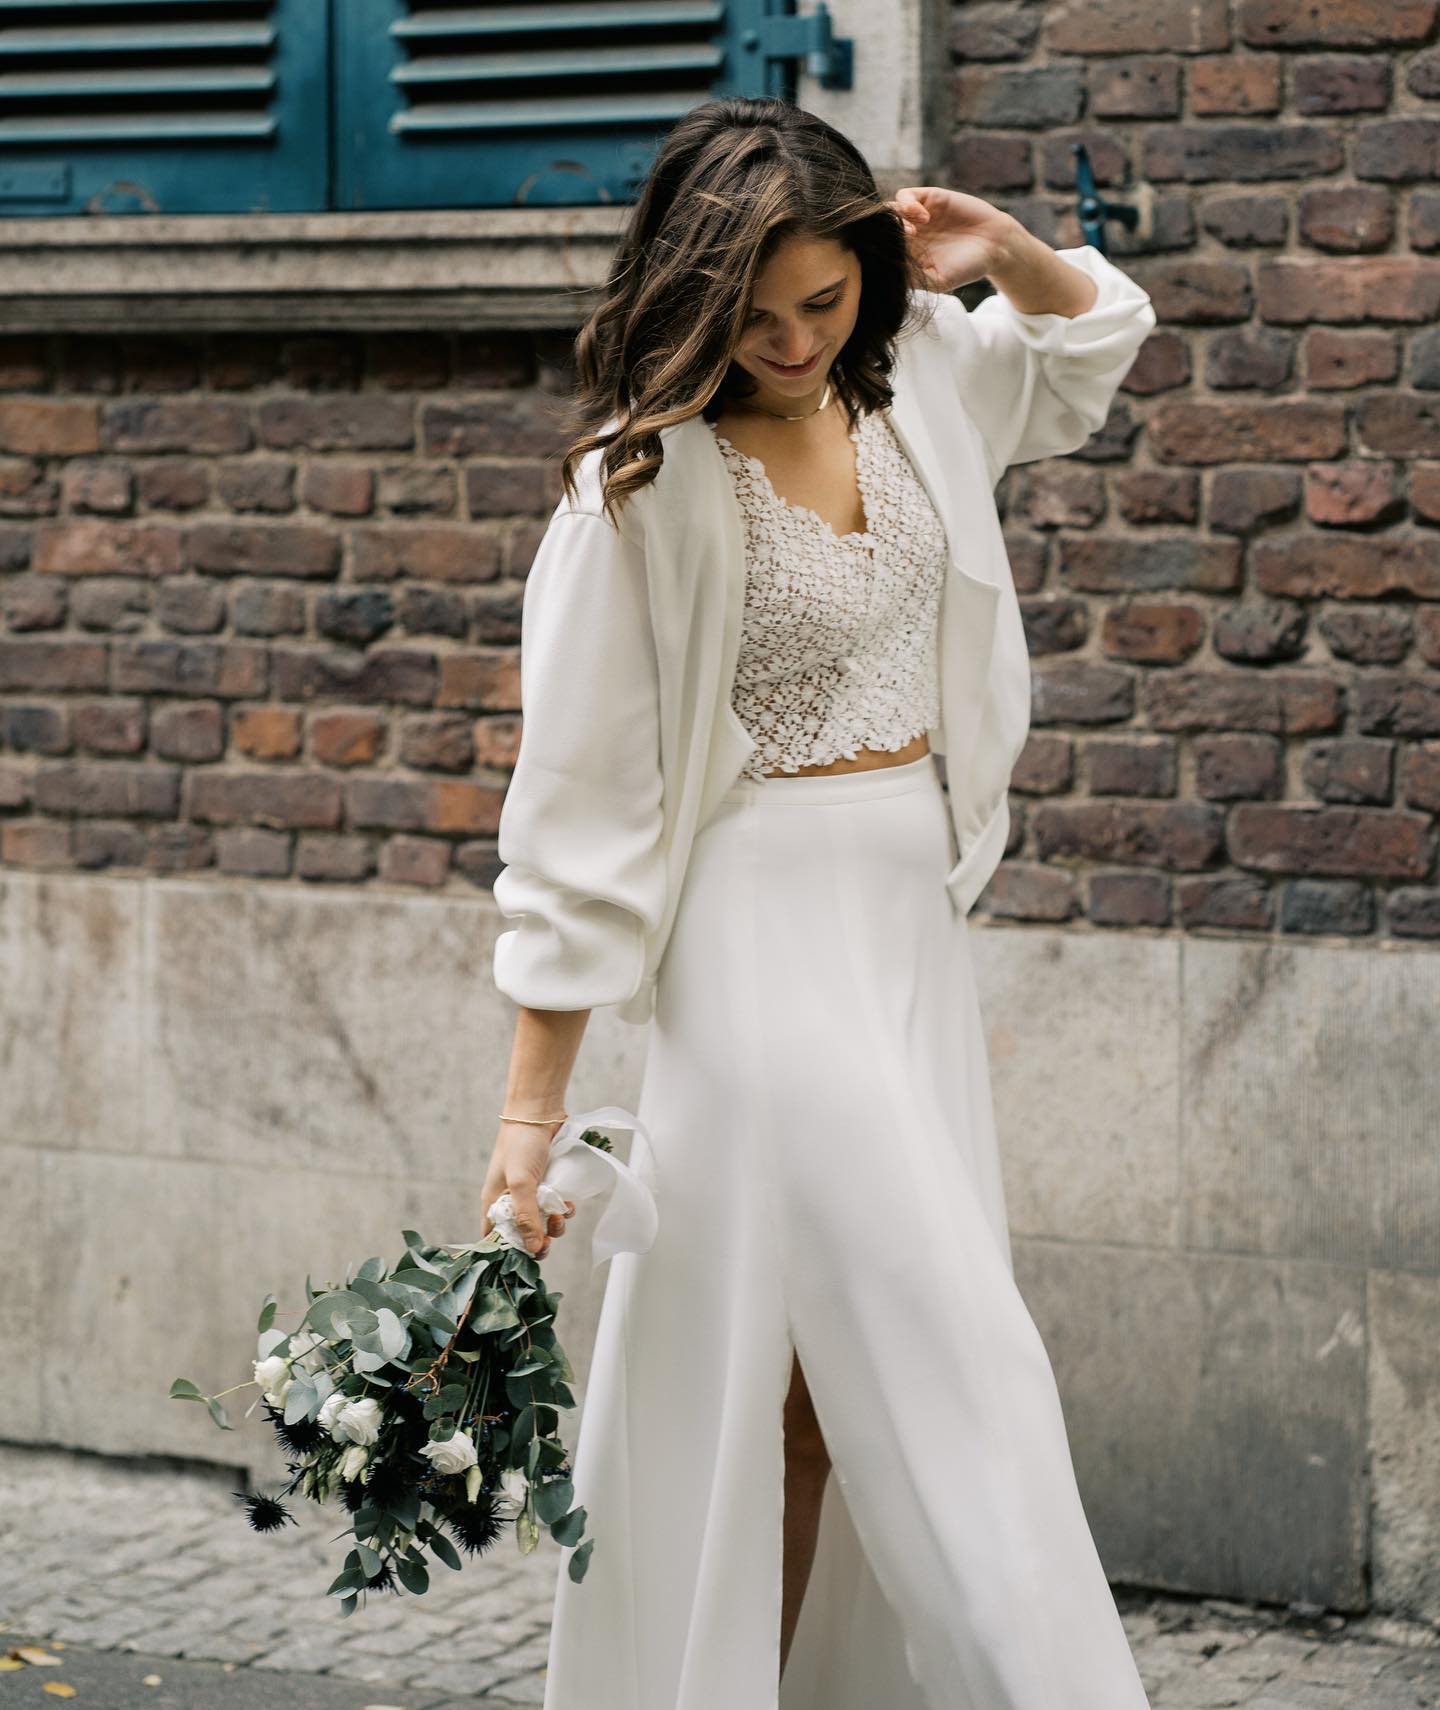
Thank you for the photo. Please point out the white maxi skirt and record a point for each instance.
(824, 1161)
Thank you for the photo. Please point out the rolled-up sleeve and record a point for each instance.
(1038, 385)
(581, 827)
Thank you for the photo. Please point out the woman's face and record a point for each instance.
(803, 309)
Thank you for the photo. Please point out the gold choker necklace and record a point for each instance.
(760, 409)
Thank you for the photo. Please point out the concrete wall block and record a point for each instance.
(1404, 1323)
(1084, 1043)
(1311, 1098)
(1236, 1463)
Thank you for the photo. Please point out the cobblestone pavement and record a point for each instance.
(134, 1569)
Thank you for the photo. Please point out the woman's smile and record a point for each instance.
(793, 369)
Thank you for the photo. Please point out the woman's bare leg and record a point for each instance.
(807, 1462)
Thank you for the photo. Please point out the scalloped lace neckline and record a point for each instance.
(864, 536)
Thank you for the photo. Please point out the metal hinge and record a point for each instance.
(829, 58)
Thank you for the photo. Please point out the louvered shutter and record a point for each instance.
(449, 103)
(173, 106)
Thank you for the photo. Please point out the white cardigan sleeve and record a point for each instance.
(581, 825)
(1038, 385)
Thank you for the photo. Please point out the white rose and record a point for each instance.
(514, 1483)
(354, 1461)
(273, 1376)
(307, 1350)
(454, 1455)
(359, 1420)
(331, 1405)
(501, 1213)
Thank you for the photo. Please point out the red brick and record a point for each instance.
(1117, 564)
(195, 732)
(1260, 632)
(1425, 491)
(1225, 904)
(1238, 153)
(85, 548)
(1198, 292)
(387, 803)
(53, 665)
(341, 857)
(1034, 98)
(1055, 625)
(259, 484)
(1108, 151)
(49, 427)
(1250, 357)
(264, 609)
(1335, 23)
(249, 852)
(515, 424)
(1162, 365)
(263, 549)
(484, 682)
(226, 669)
(442, 611)
(1377, 636)
(1327, 906)
(239, 361)
(1172, 835)
(158, 362)
(993, 32)
(189, 606)
(1397, 150)
(428, 554)
(1045, 765)
(457, 805)
(1021, 890)
(1347, 217)
(443, 742)
(36, 843)
(415, 861)
(322, 362)
(1322, 86)
(1028, 554)
(1135, 89)
(24, 492)
(1424, 220)
(178, 848)
(1075, 691)
(103, 843)
(401, 674)
(1414, 913)
(266, 732)
(23, 363)
(339, 489)
(497, 742)
(1349, 495)
(1130, 766)
(1353, 769)
(1235, 84)
(1246, 221)
(1350, 289)
(347, 422)
(415, 490)
(1061, 495)
(114, 788)
(33, 602)
(509, 489)
(192, 425)
(104, 487)
(1337, 361)
(1128, 899)
(1149, 632)
(174, 484)
(1233, 768)
(1399, 425)
(14, 786)
(281, 800)
(1387, 705)
(1138, 26)
(401, 362)
(985, 164)
(1285, 703)
(1420, 776)
(1199, 431)
(1158, 495)
(36, 729)
(1347, 568)
(110, 727)
(1243, 501)
(491, 360)
(346, 738)
(355, 615)
(110, 602)
(1337, 842)
(1427, 627)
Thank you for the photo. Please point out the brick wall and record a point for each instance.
(260, 599)
(1231, 592)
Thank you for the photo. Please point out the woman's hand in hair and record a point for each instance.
(958, 238)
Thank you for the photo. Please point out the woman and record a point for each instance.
(775, 589)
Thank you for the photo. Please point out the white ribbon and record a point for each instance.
(578, 1171)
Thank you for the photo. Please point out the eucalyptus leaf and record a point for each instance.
(527, 1533)
(183, 1390)
(267, 1312)
(218, 1414)
(414, 1575)
(581, 1560)
(553, 1498)
(445, 1550)
(569, 1527)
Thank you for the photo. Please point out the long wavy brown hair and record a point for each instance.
(732, 179)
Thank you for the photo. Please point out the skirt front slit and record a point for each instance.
(826, 1168)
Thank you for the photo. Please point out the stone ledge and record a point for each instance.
(507, 267)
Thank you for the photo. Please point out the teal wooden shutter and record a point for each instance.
(443, 103)
(172, 106)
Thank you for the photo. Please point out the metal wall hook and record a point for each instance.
(1092, 209)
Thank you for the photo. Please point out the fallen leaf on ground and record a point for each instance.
(152, 1680)
(59, 1688)
(33, 1654)
(8, 1663)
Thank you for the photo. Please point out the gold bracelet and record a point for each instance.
(539, 1121)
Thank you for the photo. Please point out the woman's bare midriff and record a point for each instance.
(866, 760)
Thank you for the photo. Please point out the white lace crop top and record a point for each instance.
(840, 635)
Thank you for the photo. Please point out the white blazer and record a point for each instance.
(629, 642)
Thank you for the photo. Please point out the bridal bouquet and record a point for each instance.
(425, 1396)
